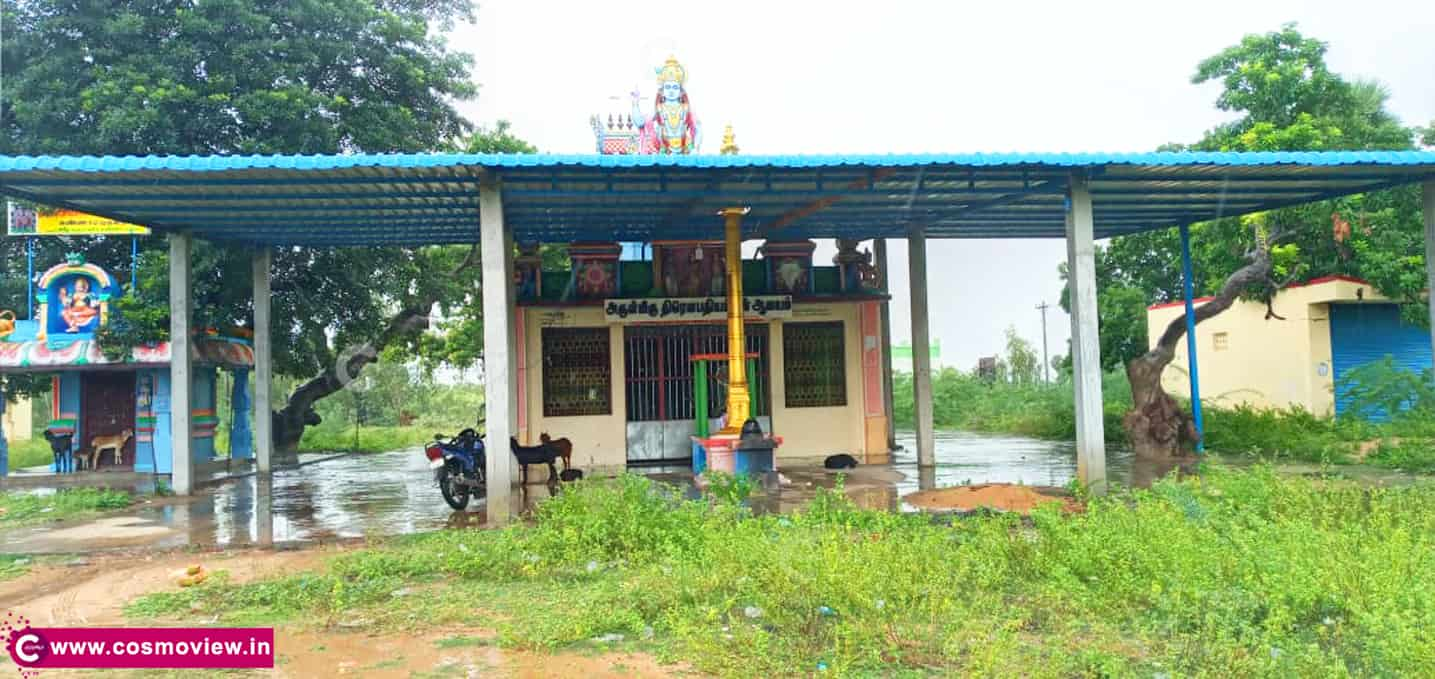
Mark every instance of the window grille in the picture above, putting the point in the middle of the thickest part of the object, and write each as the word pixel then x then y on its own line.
pixel 813 367
pixel 577 377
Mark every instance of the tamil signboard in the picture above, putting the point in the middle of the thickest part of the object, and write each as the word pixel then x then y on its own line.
pixel 24 221
pixel 758 307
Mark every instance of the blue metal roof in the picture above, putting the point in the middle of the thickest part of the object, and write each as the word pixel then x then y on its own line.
pixel 413 199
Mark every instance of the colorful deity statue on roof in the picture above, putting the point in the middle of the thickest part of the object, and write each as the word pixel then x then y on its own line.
pixel 672 128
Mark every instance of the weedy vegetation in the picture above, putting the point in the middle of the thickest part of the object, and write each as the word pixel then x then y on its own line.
pixel 23 508
pixel 1232 573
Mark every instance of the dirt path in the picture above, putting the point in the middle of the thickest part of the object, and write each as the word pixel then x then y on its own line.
pixel 93 592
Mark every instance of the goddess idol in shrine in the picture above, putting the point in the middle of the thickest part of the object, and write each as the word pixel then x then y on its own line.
pixel 672 128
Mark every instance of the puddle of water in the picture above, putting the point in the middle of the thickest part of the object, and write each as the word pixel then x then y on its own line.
pixel 967 457
pixel 344 497
pixel 331 498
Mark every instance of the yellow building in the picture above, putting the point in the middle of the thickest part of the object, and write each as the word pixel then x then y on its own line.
pixel 1330 326
pixel 606 357
pixel 17 421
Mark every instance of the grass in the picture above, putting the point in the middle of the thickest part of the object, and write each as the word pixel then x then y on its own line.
pixel 961 401
pixel 30 452
pixel 1233 573
pixel 14 565
pixel 370 439
pixel 20 508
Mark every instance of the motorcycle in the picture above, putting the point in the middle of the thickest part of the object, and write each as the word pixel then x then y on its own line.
pixel 458 466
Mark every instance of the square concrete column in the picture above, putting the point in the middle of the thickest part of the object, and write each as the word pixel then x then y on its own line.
pixel 1085 345
pixel 180 309
pixel 879 253
pixel 921 349
pixel 263 363
pixel 497 349
pixel 1429 191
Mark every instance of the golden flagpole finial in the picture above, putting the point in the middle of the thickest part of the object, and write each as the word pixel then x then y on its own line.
pixel 729 142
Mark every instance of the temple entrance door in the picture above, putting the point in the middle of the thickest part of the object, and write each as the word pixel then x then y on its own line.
pixel 658 382
pixel 107 407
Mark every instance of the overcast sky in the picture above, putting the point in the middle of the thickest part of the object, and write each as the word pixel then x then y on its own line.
pixel 903 77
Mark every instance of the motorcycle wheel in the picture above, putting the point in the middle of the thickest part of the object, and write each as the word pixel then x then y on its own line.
pixel 454 493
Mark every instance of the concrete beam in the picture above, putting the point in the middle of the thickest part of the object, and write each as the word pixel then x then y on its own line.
pixel 180 310
pixel 497 349
pixel 1085 344
pixel 263 363
pixel 1429 191
pixel 921 349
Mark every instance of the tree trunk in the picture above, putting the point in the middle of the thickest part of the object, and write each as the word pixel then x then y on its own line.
pixel 298 412
pixel 1157 426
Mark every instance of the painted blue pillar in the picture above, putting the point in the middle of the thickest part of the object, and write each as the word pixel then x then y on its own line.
pixel 1188 285
pixel 241 437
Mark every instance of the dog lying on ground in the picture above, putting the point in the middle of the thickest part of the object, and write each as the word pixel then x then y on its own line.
pixel 60 447
pixel 563 447
pixel 843 461
pixel 539 454
pixel 113 442
pixel 570 475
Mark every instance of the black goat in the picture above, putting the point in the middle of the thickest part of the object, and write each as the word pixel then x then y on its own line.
pixel 60 447
pixel 539 454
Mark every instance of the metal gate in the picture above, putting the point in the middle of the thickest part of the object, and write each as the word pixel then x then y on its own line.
pixel 1364 333
pixel 658 382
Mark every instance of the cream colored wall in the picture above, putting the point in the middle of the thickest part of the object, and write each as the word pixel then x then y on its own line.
pixel 1268 363
pixel 1320 381
pixel 600 441
pixel 810 434
pixel 17 420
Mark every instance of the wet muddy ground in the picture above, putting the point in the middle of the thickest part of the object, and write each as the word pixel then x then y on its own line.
pixel 94 591
pixel 329 499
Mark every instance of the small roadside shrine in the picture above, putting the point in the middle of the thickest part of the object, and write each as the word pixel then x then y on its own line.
pixel 113 413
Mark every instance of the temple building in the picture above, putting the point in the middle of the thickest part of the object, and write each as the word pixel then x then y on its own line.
pixel 610 350
pixel 125 398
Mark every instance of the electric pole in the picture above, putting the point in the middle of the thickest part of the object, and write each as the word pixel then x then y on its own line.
pixel 1045 361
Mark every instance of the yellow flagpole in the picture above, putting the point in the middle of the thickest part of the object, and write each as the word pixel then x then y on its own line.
pixel 739 401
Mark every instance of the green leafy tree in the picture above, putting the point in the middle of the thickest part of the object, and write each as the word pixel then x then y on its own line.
pixel 251 76
pixel 1022 364
pixel 1286 99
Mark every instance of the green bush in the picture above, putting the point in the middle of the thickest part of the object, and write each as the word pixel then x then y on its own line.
pixel 371 439
pixel 964 402
pixel 31 452
pixel 1046 411
pixel 18 508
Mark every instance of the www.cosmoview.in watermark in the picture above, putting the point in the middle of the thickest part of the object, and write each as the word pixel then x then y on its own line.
pixel 36 648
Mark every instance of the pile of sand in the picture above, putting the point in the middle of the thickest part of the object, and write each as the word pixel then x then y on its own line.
pixel 1001 496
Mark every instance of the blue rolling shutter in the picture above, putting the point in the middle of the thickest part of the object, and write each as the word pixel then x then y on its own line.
pixel 1362 333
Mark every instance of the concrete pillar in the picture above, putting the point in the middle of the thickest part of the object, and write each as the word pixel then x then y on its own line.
pixel 264 510
pixel 879 253
pixel 180 309
pixel 510 294
pixel 1429 191
pixel 496 350
pixel 263 364
pixel 921 350
pixel 1085 345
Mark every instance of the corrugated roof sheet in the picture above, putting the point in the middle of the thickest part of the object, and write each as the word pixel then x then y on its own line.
pixel 410 199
